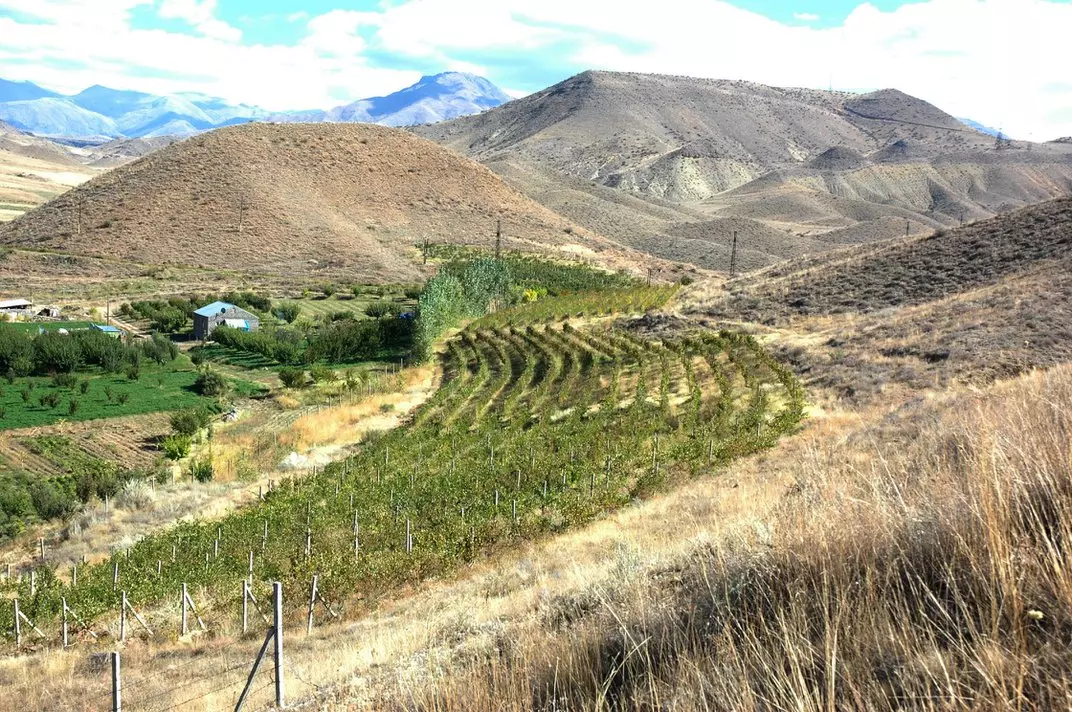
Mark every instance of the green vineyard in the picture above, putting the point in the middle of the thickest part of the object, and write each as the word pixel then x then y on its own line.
pixel 549 415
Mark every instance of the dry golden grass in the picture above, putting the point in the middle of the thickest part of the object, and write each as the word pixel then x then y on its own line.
pixel 911 559
pixel 920 563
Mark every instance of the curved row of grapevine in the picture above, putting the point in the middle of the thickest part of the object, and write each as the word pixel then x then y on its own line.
pixel 540 425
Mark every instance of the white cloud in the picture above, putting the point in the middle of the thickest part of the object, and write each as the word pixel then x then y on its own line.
pixel 201 15
pixel 996 61
pixel 806 16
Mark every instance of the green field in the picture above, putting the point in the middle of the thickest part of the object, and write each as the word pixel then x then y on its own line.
pixel 160 389
pixel 317 309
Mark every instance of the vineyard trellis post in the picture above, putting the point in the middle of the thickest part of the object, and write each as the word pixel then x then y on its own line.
pixel 117 684
pixel 312 604
pixel 277 609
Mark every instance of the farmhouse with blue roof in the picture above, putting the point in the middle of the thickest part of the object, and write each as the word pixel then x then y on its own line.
pixel 208 317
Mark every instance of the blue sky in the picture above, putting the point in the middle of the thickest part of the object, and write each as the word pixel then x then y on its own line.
pixel 1002 62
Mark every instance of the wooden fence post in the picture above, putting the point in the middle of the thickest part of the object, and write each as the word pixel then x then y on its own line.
pixel 64 601
pixel 245 607
pixel 18 626
pixel 183 629
pixel 117 685
pixel 277 609
pixel 115 574
pixel 123 619
pixel 312 604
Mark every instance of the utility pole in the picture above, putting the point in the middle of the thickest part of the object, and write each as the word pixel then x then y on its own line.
pixel 498 239
pixel 733 256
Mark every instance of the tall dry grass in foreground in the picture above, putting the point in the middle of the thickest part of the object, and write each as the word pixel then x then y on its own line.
pixel 932 572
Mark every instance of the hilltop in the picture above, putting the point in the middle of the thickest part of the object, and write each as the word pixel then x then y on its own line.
pixel 804 162
pixel 336 198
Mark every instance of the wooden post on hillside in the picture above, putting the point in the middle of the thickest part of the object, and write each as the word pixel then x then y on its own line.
pixel 277 624
pixel 117 685
pixel 312 604
pixel 498 239
pixel 733 256
pixel 18 626
pixel 357 536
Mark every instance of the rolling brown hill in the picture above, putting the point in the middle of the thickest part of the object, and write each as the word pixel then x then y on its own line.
pixel 804 162
pixel 988 300
pixel 300 198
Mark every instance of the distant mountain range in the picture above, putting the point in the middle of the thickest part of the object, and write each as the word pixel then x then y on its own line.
pixel 100 114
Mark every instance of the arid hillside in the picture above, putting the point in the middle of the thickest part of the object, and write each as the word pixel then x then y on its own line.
pixel 989 300
pixel 804 162
pixel 331 198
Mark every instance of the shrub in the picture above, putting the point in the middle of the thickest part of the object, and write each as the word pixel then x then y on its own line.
pixel 176 446
pixel 132 371
pixel 189 422
pixel 64 380
pixel 160 349
pixel 287 311
pixel 380 309
pixel 136 494
pixel 49 400
pixel 292 377
pixel 122 398
pixel 72 407
pixel 346 341
pixel 169 321
pixel 109 394
pixel 412 292
pixel 50 500
pixel 83 387
pixel 323 374
pixel 16 351
pixel 202 470
pixel 210 383
pixel 56 353
pixel 197 357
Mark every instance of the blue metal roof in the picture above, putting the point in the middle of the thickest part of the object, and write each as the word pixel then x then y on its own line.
pixel 107 328
pixel 214 308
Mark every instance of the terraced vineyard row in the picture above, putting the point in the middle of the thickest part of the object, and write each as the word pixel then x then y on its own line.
pixel 541 424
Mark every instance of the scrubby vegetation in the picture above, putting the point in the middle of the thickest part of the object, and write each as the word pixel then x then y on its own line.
pixel 26 499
